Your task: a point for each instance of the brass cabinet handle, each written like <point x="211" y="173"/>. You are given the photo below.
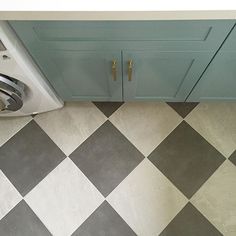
<point x="113" y="69"/>
<point x="130" y="69"/>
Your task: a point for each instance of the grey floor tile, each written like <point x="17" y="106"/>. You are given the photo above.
<point x="183" y="108"/>
<point x="72" y="125"/>
<point x="188" y="222"/>
<point x="108" y="108"/>
<point x="186" y="158"/>
<point x="232" y="158"/>
<point x="106" y="158"/>
<point x="64" y="199"/>
<point x="28" y="157"/>
<point x="22" y="221"/>
<point x="9" y="126"/>
<point x="105" y="221"/>
<point x="216" y="199"/>
<point x="215" y="121"/>
<point x="147" y="200"/>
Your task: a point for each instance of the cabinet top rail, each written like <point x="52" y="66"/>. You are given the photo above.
<point x="116" y="10"/>
<point x="118" y="15"/>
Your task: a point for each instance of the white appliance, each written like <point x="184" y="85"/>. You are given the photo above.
<point x="23" y="88"/>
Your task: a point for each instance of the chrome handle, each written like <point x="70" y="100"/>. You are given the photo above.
<point x="114" y="70"/>
<point x="130" y="69"/>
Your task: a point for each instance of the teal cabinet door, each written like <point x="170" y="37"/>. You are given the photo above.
<point x="83" y="75"/>
<point x="218" y="83"/>
<point x="219" y="80"/>
<point x="167" y="76"/>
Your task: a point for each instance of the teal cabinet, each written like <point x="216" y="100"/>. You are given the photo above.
<point x="123" y="60"/>
<point x="219" y="80"/>
<point x="167" y="76"/>
<point x="83" y="75"/>
<point x="169" y="35"/>
<point x="218" y="83"/>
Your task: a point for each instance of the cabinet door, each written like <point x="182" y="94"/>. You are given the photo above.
<point x="219" y="80"/>
<point x="83" y="75"/>
<point x="167" y="76"/>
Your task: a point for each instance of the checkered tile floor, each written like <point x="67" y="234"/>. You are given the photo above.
<point x="120" y="169"/>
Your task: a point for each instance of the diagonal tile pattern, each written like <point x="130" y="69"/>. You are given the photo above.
<point x="71" y="126"/>
<point x="143" y="197"/>
<point x="22" y="221"/>
<point x="57" y="168"/>
<point x="216" y="199"/>
<point x="104" y="222"/>
<point x="64" y="199"/>
<point x="216" y="123"/>
<point x="108" y="108"/>
<point x="183" y="108"/>
<point x="186" y="159"/>
<point x="9" y="196"/>
<point x="233" y="158"/>
<point x="10" y="126"/>
<point x="190" y="221"/>
<point x="28" y="157"/>
<point x="106" y="158"/>
<point x="146" y="125"/>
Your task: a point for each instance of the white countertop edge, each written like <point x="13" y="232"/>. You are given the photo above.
<point x="118" y="15"/>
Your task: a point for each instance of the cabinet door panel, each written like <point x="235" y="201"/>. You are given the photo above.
<point x="219" y="80"/>
<point x="165" y="76"/>
<point x="82" y="75"/>
<point x="167" y="35"/>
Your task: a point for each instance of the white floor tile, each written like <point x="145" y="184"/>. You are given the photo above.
<point x="217" y="199"/>
<point x="64" y="199"/>
<point x="71" y="125"/>
<point x="147" y="200"/>
<point x="145" y="124"/>
<point x="9" y="126"/>
<point x="216" y="122"/>
<point x="9" y="196"/>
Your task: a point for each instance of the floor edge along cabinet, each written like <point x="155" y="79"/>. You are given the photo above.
<point x="131" y="60"/>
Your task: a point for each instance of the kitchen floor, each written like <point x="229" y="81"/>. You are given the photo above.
<point x="120" y="169"/>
